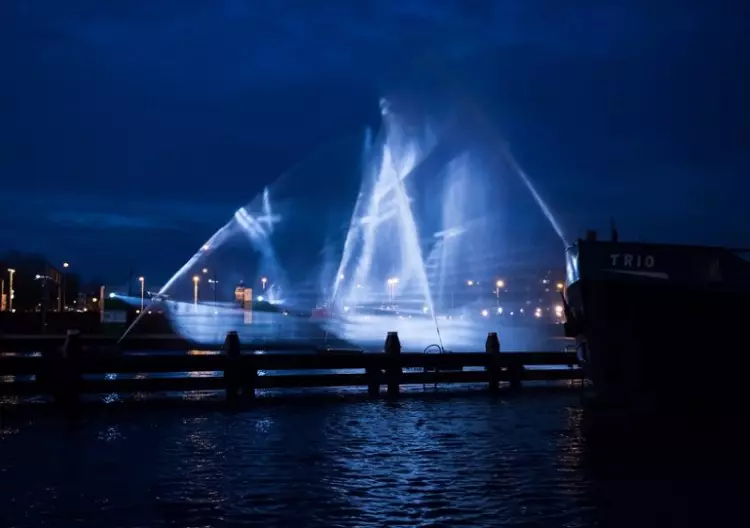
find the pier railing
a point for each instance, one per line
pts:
(66, 368)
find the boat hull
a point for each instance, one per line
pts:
(661, 339)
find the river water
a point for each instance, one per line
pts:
(535, 459)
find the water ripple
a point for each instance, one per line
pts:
(470, 461)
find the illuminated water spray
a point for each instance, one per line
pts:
(539, 200)
(216, 240)
(415, 239)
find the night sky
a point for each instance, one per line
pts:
(130, 131)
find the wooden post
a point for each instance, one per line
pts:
(373, 380)
(231, 350)
(515, 372)
(69, 381)
(492, 348)
(393, 369)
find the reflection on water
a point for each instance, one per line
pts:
(532, 460)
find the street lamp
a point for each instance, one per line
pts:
(62, 297)
(196, 280)
(11, 271)
(213, 282)
(499, 284)
(142, 280)
(263, 281)
(205, 270)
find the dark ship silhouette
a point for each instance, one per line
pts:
(659, 323)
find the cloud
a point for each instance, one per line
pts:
(96, 213)
(229, 43)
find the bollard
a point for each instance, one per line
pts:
(393, 370)
(492, 348)
(232, 365)
(515, 372)
(373, 380)
(68, 386)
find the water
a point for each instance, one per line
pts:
(531, 460)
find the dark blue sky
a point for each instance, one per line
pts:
(130, 131)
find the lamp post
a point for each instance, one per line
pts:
(196, 280)
(499, 284)
(142, 280)
(263, 281)
(213, 282)
(11, 271)
(63, 287)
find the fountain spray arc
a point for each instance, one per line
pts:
(388, 277)
(372, 258)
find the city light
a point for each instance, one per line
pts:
(12, 272)
(66, 265)
(196, 280)
(499, 284)
(559, 286)
(470, 283)
(142, 280)
(205, 270)
(485, 313)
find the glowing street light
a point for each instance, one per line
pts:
(213, 282)
(62, 301)
(142, 280)
(499, 284)
(470, 283)
(196, 280)
(263, 281)
(11, 294)
(205, 270)
(559, 286)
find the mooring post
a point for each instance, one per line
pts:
(515, 371)
(393, 369)
(373, 375)
(492, 348)
(231, 350)
(69, 375)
